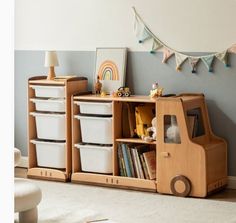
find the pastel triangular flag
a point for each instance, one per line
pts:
(223, 57)
(193, 63)
(179, 58)
(144, 35)
(156, 44)
(208, 60)
(167, 53)
(232, 49)
(141, 31)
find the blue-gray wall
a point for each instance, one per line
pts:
(143, 69)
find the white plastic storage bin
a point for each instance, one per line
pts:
(97, 108)
(95, 158)
(96, 129)
(49, 91)
(51, 104)
(50, 154)
(50, 126)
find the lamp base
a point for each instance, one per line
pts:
(51, 75)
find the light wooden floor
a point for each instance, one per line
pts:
(224, 195)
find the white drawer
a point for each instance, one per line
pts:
(50, 126)
(95, 158)
(96, 129)
(49, 91)
(50, 154)
(51, 104)
(95, 108)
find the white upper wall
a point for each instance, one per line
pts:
(185, 25)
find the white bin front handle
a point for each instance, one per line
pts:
(93, 117)
(47, 114)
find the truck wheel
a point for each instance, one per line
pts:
(127, 94)
(180, 186)
(119, 94)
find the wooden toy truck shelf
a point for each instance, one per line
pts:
(195, 167)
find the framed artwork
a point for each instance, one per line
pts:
(110, 68)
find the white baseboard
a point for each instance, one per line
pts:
(231, 182)
(231, 179)
(23, 162)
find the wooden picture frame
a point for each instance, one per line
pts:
(110, 67)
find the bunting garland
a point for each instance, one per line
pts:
(143, 33)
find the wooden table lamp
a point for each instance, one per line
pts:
(51, 61)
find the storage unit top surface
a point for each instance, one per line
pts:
(59, 80)
(138, 98)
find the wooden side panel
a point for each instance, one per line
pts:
(76, 138)
(216, 159)
(186, 158)
(31, 130)
(72, 87)
(117, 132)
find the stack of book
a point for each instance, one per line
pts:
(137, 161)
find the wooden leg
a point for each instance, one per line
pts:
(29, 216)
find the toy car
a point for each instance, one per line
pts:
(123, 92)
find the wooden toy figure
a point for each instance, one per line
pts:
(97, 86)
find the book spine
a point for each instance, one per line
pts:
(120, 160)
(131, 165)
(150, 160)
(139, 165)
(126, 161)
(144, 167)
(135, 163)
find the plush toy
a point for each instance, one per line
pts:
(172, 131)
(172, 134)
(153, 130)
(156, 90)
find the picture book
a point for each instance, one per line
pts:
(150, 160)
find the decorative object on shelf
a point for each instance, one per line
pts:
(51, 61)
(143, 34)
(143, 117)
(103, 93)
(152, 130)
(123, 92)
(111, 67)
(97, 86)
(156, 91)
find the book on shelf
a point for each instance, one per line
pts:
(140, 149)
(150, 160)
(193, 124)
(126, 159)
(130, 159)
(136, 168)
(144, 167)
(121, 161)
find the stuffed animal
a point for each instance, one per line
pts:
(153, 130)
(172, 134)
(156, 92)
(172, 131)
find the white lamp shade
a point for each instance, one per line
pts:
(51, 59)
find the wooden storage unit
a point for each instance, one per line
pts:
(71, 85)
(196, 166)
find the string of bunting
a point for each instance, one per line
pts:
(143, 34)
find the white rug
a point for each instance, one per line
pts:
(75, 203)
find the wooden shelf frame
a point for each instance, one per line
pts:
(72, 86)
